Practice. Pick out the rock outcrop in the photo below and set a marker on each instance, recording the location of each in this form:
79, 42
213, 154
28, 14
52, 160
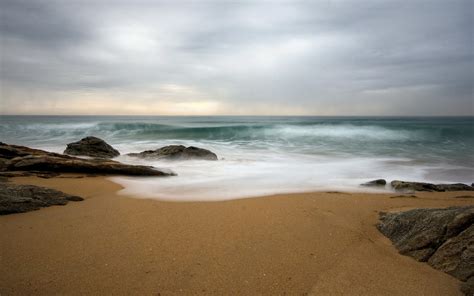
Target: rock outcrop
93, 147
33, 161
177, 152
442, 237
375, 183
420, 186
23, 198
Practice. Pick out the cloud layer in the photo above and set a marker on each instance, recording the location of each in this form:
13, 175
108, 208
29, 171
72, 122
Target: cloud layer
183, 57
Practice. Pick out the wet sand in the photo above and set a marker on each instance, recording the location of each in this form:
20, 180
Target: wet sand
294, 244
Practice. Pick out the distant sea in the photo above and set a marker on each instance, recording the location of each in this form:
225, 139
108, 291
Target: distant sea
267, 155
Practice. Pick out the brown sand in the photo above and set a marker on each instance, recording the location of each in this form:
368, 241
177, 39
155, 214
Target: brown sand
312, 243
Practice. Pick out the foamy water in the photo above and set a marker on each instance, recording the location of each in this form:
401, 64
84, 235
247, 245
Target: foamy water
267, 155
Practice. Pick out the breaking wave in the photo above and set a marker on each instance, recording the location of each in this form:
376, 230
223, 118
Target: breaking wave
268, 155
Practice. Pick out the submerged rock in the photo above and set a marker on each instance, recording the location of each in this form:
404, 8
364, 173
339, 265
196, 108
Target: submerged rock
420, 186
91, 146
177, 152
33, 161
16, 198
375, 183
442, 237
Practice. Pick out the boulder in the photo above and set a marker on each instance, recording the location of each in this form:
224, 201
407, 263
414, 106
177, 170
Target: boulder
375, 183
93, 147
442, 237
23, 159
16, 198
420, 186
177, 152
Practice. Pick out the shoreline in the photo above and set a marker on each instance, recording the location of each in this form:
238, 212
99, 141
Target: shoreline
313, 243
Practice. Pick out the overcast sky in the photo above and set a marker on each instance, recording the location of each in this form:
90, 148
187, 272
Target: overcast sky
283, 58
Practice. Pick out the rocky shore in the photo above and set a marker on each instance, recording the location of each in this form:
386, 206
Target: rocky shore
14, 159
18, 161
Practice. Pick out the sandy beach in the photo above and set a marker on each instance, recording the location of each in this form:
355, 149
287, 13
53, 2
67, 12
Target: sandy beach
294, 244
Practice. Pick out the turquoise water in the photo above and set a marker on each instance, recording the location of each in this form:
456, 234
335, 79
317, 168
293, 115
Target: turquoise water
270, 154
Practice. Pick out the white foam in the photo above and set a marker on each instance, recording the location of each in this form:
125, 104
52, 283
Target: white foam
343, 132
243, 174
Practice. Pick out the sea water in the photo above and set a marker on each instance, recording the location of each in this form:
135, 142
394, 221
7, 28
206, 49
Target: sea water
267, 155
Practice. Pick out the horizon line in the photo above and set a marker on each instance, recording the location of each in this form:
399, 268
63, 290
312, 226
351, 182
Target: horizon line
232, 115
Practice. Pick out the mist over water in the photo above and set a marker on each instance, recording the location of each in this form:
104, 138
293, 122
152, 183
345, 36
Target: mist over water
267, 155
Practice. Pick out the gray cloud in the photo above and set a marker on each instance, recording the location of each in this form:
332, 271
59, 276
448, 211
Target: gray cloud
326, 57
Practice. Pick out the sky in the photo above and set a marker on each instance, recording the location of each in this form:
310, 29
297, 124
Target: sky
237, 57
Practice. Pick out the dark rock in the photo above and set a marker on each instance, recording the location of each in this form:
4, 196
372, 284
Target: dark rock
422, 231
16, 198
468, 287
91, 146
77, 165
442, 237
413, 186
454, 187
375, 183
12, 151
419, 186
41, 162
177, 152
456, 255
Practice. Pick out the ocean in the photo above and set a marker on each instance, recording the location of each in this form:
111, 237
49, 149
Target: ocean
267, 155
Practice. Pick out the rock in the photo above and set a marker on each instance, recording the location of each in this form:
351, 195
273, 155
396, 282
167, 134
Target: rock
91, 146
456, 255
413, 186
419, 186
12, 151
25, 161
442, 237
23, 198
77, 165
454, 187
468, 287
177, 152
375, 183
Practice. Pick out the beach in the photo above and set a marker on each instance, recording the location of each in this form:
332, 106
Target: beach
320, 243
